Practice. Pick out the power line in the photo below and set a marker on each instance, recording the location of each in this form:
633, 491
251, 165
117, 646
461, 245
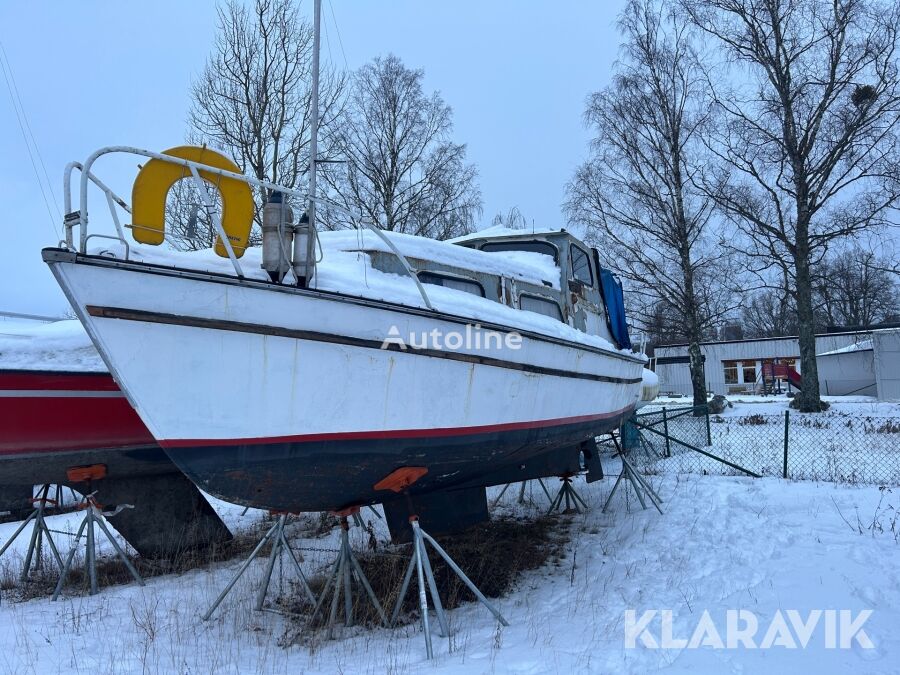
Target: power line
338, 31
34, 143
327, 41
25, 129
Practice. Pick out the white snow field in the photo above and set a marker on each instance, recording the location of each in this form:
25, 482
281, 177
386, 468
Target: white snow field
724, 543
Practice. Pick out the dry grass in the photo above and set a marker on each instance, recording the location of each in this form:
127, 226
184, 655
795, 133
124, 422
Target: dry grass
752, 420
492, 554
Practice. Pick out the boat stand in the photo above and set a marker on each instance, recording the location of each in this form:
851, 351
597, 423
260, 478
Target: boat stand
521, 499
345, 568
574, 502
94, 515
424, 574
357, 519
280, 544
38, 532
638, 483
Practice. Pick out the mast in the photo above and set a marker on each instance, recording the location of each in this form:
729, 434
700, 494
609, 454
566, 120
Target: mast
313, 143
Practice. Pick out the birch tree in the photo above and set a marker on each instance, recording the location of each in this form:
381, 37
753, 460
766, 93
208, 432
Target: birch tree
808, 142
399, 165
253, 100
636, 195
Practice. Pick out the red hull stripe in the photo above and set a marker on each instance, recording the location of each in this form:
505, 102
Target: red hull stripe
395, 433
38, 417
43, 380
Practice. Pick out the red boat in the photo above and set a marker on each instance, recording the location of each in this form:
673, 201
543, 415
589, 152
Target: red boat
60, 409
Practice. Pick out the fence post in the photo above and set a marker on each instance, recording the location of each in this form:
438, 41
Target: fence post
666, 432
787, 422
708, 430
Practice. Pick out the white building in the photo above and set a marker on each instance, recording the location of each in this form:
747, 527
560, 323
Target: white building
853, 363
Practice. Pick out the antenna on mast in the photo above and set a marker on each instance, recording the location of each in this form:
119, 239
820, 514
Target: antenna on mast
313, 147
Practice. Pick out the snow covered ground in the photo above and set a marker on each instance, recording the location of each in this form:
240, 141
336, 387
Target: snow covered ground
856, 441
724, 543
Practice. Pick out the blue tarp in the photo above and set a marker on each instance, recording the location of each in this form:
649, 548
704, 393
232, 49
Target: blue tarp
615, 308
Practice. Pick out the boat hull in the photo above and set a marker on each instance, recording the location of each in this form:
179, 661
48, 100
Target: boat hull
53, 420
286, 398
332, 474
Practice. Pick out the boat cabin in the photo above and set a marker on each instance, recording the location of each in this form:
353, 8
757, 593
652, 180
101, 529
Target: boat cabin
582, 293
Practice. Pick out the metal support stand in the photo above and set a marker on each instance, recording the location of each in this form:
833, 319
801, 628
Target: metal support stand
569, 494
648, 449
279, 545
638, 483
93, 515
522, 485
345, 568
424, 574
38, 533
357, 519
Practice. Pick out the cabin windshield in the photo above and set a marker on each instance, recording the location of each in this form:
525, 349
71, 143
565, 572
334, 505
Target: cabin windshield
581, 266
530, 246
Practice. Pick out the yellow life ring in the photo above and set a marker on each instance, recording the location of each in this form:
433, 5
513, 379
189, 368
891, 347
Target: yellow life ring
156, 178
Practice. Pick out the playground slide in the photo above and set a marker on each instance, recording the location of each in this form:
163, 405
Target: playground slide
794, 378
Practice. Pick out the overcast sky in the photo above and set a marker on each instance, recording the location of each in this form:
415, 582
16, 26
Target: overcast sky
92, 73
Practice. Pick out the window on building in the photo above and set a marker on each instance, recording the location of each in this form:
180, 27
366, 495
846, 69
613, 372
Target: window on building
456, 283
749, 369
532, 303
731, 372
581, 266
533, 246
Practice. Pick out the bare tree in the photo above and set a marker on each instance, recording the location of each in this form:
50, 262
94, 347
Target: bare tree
512, 219
808, 142
253, 98
635, 193
189, 225
769, 313
855, 289
402, 170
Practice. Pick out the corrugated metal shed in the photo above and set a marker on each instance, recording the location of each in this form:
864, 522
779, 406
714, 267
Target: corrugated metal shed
848, 372
740, 359
886, 345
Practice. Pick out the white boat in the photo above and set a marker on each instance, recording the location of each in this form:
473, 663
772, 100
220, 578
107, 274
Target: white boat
302, 398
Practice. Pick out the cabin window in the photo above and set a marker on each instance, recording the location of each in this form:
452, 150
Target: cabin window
531, 246
731, 372
581, 266
456, 283
532, 303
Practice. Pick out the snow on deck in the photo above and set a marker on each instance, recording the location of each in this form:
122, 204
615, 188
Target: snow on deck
534, 268
501, 231
346, 269
57, 346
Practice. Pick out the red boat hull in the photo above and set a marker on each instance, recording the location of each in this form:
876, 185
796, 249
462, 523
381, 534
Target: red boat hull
51, 412
52, 421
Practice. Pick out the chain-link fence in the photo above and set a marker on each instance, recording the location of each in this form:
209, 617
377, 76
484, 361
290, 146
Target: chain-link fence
834, 447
